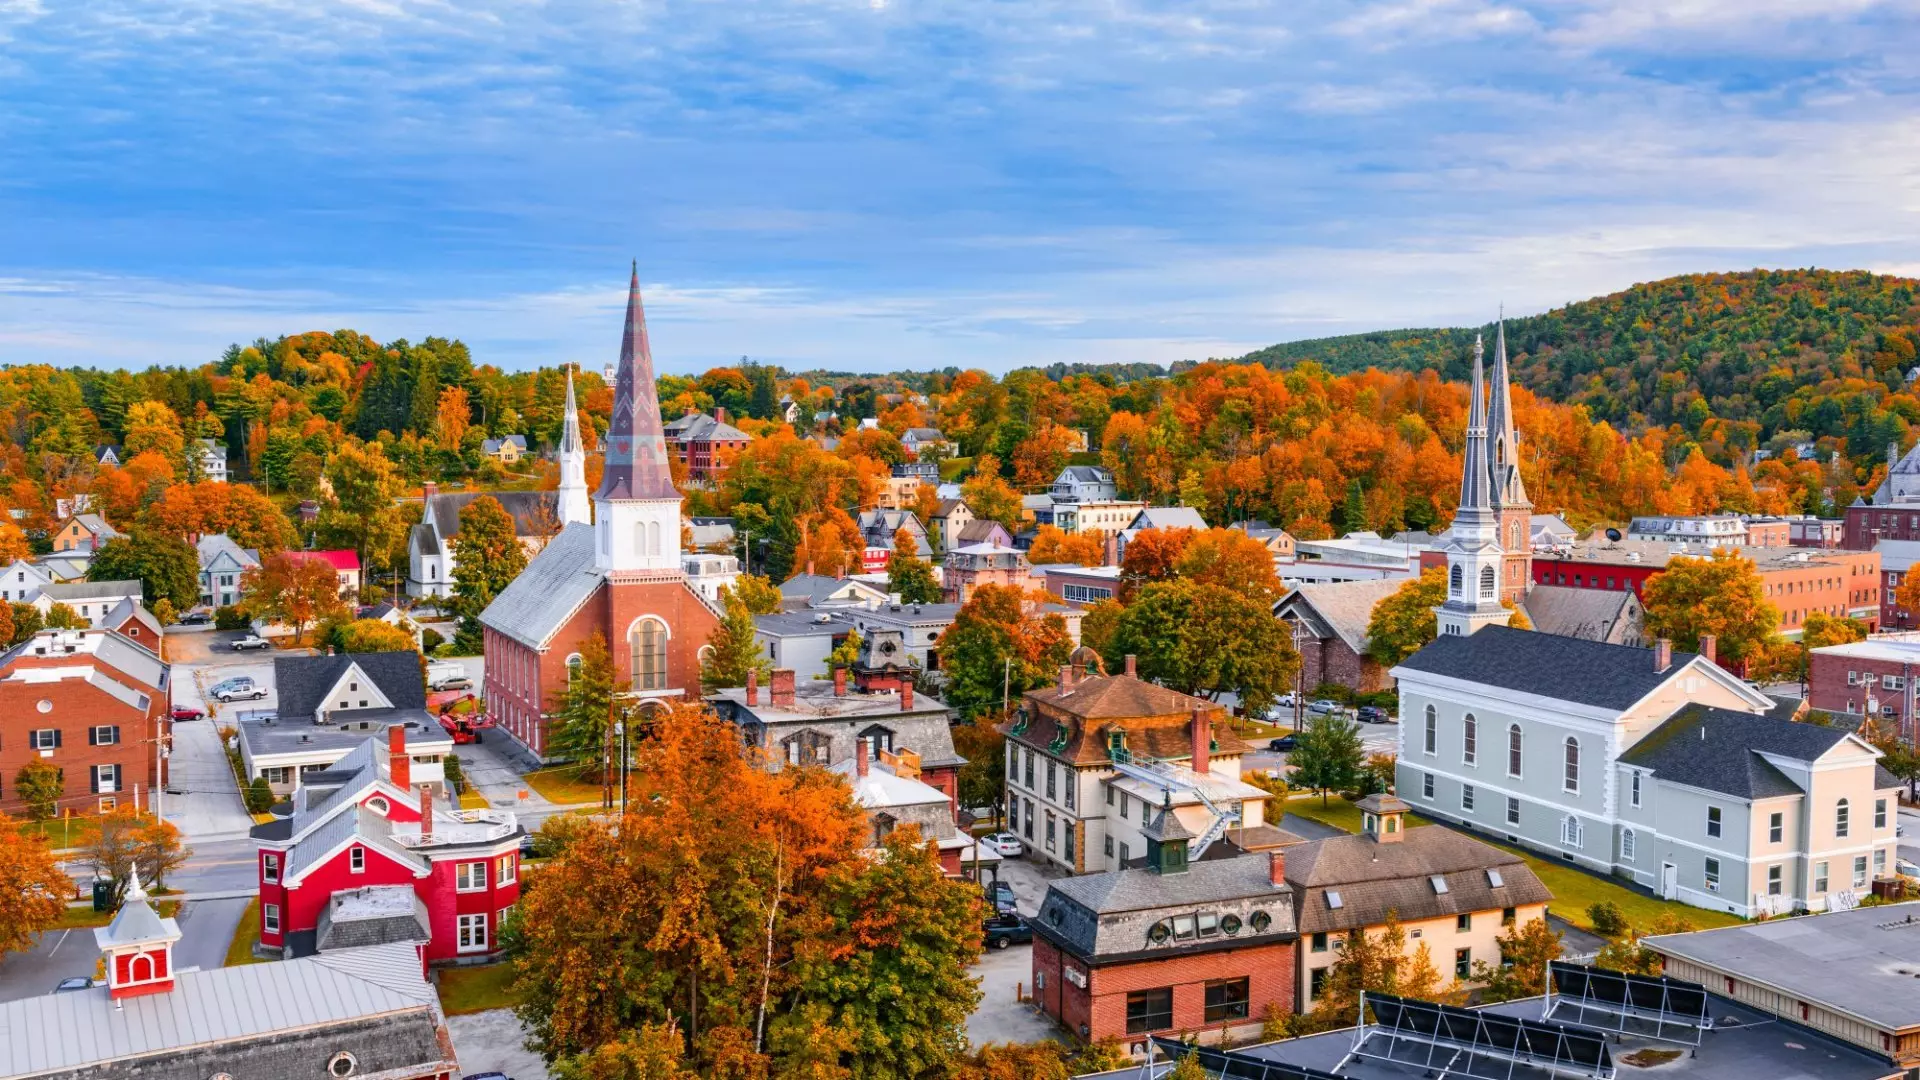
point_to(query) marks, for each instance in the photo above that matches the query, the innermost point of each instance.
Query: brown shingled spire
(636, 445)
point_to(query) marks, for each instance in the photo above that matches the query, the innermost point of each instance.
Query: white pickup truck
(251, 641)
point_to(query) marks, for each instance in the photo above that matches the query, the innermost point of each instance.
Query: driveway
(202, 796)
(1000, 1016)
(1029, 881)
(494, 1041)
(494, 775)
(1309, 829)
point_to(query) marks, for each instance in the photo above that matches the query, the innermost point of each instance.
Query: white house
(222, 563)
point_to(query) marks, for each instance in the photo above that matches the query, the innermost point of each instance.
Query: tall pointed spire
(1475, 477)
(1504, 448)
(637, 465)
(573, 505)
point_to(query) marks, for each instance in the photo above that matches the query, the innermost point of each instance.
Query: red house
(365, 858)
(1168, 949)
(622, 577)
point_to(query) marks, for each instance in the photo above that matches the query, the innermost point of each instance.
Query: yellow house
(1451, 893)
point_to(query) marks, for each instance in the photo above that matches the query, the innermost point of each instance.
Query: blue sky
(898, 184)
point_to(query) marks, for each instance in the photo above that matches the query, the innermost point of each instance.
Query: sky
(915, 184)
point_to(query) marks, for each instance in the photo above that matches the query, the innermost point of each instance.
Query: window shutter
(93, 736)
(93, 779)
(56, 738)
(116, 776)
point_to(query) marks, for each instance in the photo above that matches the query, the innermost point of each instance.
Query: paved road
(1374, 739)
(494, 1041)
(206, 929)
(202, 797)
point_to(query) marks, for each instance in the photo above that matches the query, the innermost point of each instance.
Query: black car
(1283, 743)
(1004, 930)
(1371, 714)
(195, 618)
(1000, 895)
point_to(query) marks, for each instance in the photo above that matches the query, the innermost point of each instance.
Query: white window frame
(1633, 786)
(1711, 871)
(1776, 880)
(1570, 831)
(1430, 737)
(1513, 810)
(270, 867)
(463, 877)
(1842, 819)
(1469, 740)
(357, 859)
(1516, 750)
(508, 871)
(1776, 827)
(470, 933)
(1859, 871)
(1715, 821)
(1426, 785)
(1820, 879)
(1629, 844)
(1879, 813)
(1570, 779)
(270, 918)
(1466, 797)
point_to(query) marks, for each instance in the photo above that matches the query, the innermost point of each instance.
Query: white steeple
(573, 504)
(1473, 542)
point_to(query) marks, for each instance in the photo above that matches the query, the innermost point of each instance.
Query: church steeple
(1510, 502)
(573, 505)
(1473, 543)
(637, 509)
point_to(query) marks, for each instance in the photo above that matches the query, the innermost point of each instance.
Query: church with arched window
(617, 572)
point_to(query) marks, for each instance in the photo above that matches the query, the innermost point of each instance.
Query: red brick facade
(1837, 682)
(89, 727)
(1099, 1008)
(1324, 660)
(522, 684)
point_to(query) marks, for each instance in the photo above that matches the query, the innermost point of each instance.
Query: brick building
(974, 565)
(1809, 531)
(1206, 947)
(92, 704)
(705, 443)
(1872, 677)
(621, 576)
(1329, 625)
(363, 856)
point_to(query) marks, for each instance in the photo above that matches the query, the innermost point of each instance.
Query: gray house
(1658, 766)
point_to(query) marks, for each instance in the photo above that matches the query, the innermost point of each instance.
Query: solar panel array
(1482, 1036)
(1653, 1006)
(1229, 1065)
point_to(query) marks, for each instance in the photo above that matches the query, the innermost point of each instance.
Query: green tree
(649, 1052)
(27, 621)
(1722, 596)
(582, 709)
(259, 796)
(1404, 623)
(39, 785)
(164, 565)
(912, 577)
(847, 653)
(762, 596)
(487, 556)
(365, 485)
(733, 650)
(1327, 755)
(1189, 1068)
(1525, 952)
(62, 617)
(1206, 639)
(372, 635)
(995, 647)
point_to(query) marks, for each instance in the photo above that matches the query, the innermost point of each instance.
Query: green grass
(240, 949)
(60, 833)
(563, 784)
(82, 916)
(472, 800)
(477, 989)
(1574, 890)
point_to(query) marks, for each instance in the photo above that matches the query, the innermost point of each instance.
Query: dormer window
(1334, 902)
(1439, 884)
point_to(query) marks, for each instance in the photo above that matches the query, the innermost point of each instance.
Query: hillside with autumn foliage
(1764, 392)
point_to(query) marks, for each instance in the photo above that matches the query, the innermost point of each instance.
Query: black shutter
(116, 777)
(56, 738)
(93, 779)
(93, 736)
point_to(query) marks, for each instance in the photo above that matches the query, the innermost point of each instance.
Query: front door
(1669, 881)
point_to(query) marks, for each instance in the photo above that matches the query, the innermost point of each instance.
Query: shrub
(430, 640)
(456, 780)
(231, 617)
(259, 796)
(1608, 921)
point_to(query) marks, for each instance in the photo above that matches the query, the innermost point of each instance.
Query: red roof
(342, 561)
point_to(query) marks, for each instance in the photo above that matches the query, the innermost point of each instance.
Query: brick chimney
(1277, 867)
(720, 414)
(429, 489)
(782, 689)
(1131, 662)
(906, 695)
(1709, 644)
(426, 811)
(1066, 676)
(809, 567)
(1202, 739)
(1663, 654)
(399, 762)
(860, 750)
(839, 681)
(753, 686)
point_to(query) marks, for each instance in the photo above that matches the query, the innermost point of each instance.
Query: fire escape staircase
(1161, 774)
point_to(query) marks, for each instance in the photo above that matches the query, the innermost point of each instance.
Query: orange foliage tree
(1051, 545)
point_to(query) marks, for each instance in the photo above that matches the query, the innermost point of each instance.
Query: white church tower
(573, 504)
(637, 509)
(1473, 543)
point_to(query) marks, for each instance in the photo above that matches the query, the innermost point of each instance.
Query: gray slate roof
(1727, 759)
(1593, 614)
(1564, 668)
(303, 681)
(1374, 878)
(68, 592)
(533, 512)
(535, 605)
(1343, 608)
(1168, 517)
(1107, 915)
(207, 1011)
(214, 545)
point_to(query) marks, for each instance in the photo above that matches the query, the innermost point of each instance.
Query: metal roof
(535, 605)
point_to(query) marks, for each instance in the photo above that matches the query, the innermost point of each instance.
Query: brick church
(619, 574)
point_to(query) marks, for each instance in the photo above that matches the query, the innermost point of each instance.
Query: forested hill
(1766, 351)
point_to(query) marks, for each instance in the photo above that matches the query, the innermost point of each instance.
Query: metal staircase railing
(1161, 774)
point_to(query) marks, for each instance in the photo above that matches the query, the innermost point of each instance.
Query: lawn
(82, 916)
(476, 989)
(472, 800)
(240, 949)
(1574, 890)
(60, 832)
(564, 785)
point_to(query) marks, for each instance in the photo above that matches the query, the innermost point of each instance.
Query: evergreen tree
(582, 709)
(732, 648)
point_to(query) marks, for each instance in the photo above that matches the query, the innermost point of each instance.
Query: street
(202, 797)
(1374, 739)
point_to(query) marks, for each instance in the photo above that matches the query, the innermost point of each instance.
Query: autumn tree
(1404, 622)
(372, 635)
(1327, 755)
(164, 565)
(762, 596)
(1207, 640)
(293, 589)
(847, 653)
(732, 649)
(362, 511)
(1152, 555)
(247, 517)
(1044, 1060)
(995, 647)
(487, 556)
(1231, 559)
(1041, 456)
(582, 710)
(910, 575)
(1052, 545)
(152, 426)
(1368, 962)
(1906, 595)
(13, 543)
(62, 617)
(1525, 952)
(39, 785)
(33, 888)
(26, 621)
(1721, 595)
(991, 498)
(652, 1051)
(121, 840)
(452, 416)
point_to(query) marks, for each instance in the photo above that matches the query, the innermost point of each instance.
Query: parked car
(196, 618)
(186, 712)
(251, 641)
(82, 982)
(1004, 930)
(1000, 895)
(1372, 714)
(444, 675)
(1282, 744)
(1905, 868)
(487, 1076)
(1005, 843)
(1323, 706)
(241, 689)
